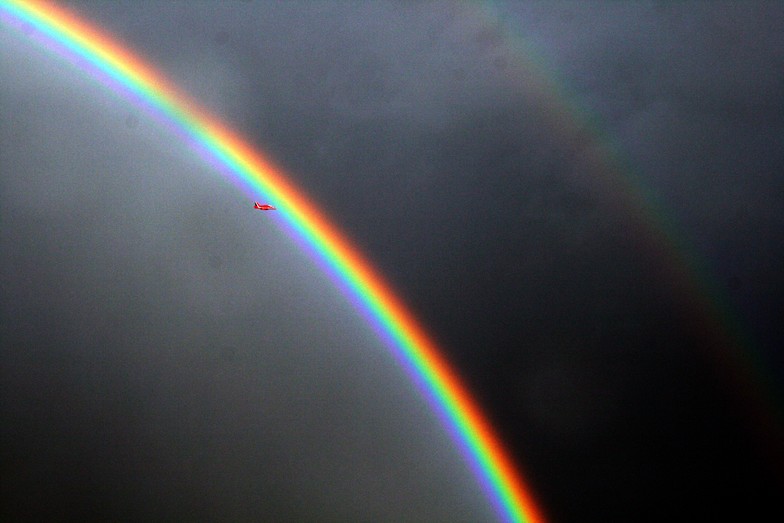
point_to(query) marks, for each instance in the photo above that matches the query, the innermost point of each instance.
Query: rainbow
(727, 340)
(105, 58)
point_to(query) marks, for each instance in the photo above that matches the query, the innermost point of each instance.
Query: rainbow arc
(103, 56)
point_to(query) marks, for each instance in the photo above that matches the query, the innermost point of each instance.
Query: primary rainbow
(104, 57)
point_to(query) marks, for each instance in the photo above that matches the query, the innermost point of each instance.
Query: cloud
(189, 354)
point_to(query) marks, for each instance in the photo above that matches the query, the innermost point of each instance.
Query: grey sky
(184, 348)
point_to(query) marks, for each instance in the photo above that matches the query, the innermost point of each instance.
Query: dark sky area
(583, 202)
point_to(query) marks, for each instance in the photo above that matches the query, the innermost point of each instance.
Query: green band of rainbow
(100, 54)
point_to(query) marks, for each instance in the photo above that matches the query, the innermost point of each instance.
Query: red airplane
(264, 206)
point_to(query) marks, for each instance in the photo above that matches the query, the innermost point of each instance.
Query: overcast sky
(582, 201)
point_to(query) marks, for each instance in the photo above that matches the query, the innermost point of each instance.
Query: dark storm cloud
(419, 127)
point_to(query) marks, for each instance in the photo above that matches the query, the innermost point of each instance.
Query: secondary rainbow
(103, 56)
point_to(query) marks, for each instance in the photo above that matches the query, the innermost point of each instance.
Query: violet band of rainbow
(101, 55)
